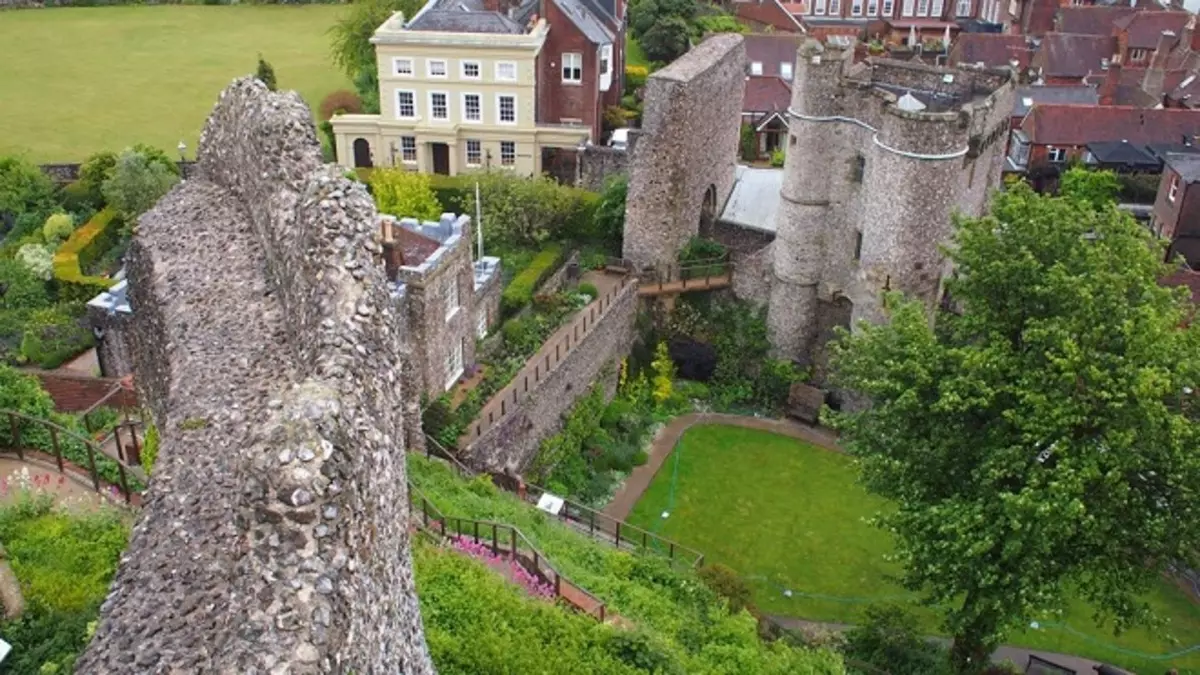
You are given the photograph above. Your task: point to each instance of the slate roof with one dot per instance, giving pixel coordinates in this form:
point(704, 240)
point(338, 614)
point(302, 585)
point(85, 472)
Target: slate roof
point(463, 16)
point(766, 94)
point(1144, 28)
point(1188, 91)
point(991, 49)
point(414, 247)
point(1037, 16)
point(1123, 152)
point(1075, 93)
point(1187, 166)
point(1070, 55)
point(1096, 20)
point(772, 49)
point(604, 10)
point(1061, 124)
point(1161, 150)
point(592, 28)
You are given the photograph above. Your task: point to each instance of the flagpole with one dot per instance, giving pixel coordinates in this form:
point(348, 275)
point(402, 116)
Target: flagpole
point(478, 222)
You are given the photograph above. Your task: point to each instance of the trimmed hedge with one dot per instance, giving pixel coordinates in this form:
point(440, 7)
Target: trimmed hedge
point(84, 246)
point(519, 292)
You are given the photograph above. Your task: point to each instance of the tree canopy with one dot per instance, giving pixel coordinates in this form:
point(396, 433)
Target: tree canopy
point(137, 182)
point(352, 48)
point(1039, 440)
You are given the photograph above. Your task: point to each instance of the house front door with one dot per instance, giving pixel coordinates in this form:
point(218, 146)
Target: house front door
point(441, 158)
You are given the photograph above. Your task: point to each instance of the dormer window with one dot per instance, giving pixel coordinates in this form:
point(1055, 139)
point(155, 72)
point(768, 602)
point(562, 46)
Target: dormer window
point(785, 71)
point(756, 68)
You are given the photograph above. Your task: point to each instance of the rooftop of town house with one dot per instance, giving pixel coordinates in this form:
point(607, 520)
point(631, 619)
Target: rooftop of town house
point(1144, 28)
point(1131, 155)
point(467, 22)
point(463, 16)
point(989, 49)
point(423, 244)
point(1078, 125)
point(1186, 165)
point(116, 299)
point(1127, 89)
point(771, 50)
point(766, 94)
point(1093, 20)
point(1070, 55)
point(1028, 96)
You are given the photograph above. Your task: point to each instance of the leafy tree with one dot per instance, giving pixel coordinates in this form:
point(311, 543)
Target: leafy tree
point(645, 14)
point(352, 48)
point(718, 23)
point(1042, 440)
point(667, 40)
point(340, 102)
point(58, 227)
point(136, 183)
point(520, 211)
point(609, 217)
point(404, 194)
point(38, 259)
point(156, 156)
point(265, 73)
point(23, 188)
point(887, 639)
point(19, 288)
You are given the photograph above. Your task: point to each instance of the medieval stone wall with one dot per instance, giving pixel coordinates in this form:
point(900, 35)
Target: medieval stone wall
point(274, 536)
point(599, 162)
point(691, 121)
point(513, 442)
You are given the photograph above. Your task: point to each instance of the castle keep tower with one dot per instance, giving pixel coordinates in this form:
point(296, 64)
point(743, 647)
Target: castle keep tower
point(880, 155)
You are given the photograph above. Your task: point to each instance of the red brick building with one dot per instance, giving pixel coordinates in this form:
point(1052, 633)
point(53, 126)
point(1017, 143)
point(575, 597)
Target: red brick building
point(1177, 208)
point(1138, 34)
point(994, 50)
point(1052, 135)
point(770, 15)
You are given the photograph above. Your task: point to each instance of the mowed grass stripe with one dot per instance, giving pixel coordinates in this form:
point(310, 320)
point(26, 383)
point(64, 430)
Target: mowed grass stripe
point(80, 80)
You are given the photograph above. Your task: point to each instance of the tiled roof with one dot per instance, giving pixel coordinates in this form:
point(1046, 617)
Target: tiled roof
point(1026, 97)
point(414, 247)
point(459, 21)
point(1128, 87)
point(1070, 55)
point(1144, 28)
point(772, 49)
point(1089, 20)
point(1187, 92)
point(991, 49)
point(765, 94)
point(1038, 16)
point(1063, 124)
point(592, 27)
point(1187, 166)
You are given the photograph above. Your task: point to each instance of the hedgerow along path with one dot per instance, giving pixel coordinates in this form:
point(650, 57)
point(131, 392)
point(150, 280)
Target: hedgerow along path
point(779, 502)
point(80, 80)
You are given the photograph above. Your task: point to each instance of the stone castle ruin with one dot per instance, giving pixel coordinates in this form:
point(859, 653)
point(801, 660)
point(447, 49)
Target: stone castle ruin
point(274, 537)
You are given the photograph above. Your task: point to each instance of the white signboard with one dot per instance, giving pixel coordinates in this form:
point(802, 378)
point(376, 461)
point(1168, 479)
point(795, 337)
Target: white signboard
point(5, 648)
point(550, 503)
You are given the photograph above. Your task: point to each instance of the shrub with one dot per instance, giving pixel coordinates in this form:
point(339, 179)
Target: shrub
point(718, 23)
point(727, 584)
point(57, 228)
point(437, 416)
point(698, 249)
point(609, 216)
point(886, 639)
point(138, 181)
point(342, 101)
point(635, 78)
point(666, 40)
point(86, 244)
point(265, 73)
point(23, 290)
point(778, 157)
point(149, 448)
point(589, 290)
point(522, 212)
point(38, 259)
point(519, 291)
point(404, 194)
point(54, 335)
point(24, 394)
point(748, 143)
point(638, 649)
point(23, 189)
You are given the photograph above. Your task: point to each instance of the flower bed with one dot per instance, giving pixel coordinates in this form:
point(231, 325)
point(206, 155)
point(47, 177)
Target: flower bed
point(511, 569)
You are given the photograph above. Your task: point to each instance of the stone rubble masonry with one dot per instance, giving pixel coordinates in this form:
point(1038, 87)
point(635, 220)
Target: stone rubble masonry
point(900, 206)
point(691, 124)
point(513, 442)
point(598, 163)
point(274, 537)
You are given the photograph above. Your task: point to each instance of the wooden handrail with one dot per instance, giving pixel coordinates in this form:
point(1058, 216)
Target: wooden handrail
point(56, 430)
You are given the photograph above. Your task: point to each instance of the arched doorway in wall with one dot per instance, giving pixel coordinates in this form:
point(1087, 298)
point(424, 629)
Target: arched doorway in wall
point(362, 153)
point(708, 211)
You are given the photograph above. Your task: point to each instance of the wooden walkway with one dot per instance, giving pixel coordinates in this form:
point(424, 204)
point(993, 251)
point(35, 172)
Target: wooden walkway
point(656, 288)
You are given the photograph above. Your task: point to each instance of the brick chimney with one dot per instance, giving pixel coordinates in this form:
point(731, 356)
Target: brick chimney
point(393, 255)
point(1188, 38)
point(1112, 78)
point(1152, 83)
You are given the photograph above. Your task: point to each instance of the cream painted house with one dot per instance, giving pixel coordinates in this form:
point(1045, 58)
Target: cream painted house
point(457, 93)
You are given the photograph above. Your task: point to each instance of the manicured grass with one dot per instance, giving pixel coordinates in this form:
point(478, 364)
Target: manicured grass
point(789, 515)
point(634, 56)
point(80, 80)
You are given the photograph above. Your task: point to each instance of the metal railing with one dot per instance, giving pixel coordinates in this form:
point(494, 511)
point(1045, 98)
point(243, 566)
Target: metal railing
point(508, 540)
point(58, 433)
point(586, 520)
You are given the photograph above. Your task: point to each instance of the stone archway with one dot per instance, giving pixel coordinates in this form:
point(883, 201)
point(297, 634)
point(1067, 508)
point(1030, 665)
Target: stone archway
point(362, 153)
point(708, 211)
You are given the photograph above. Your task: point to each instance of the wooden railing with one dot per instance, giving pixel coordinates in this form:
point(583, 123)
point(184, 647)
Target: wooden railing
point(16, 445)
point(692, 275)
point(586, 520)
point(508, 540)
point(129, 449)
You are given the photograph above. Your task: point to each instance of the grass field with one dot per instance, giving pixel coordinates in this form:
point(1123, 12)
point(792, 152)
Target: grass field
point(634, 56)
point(790, 516)
point(81, 80)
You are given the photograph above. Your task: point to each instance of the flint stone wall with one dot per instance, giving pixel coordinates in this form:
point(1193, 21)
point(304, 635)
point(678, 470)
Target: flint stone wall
point(600, 161)
point(512, 444)
point(274, 538)
point(691, 125)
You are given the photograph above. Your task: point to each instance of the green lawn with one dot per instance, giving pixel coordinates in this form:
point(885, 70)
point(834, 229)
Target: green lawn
point(634, 56)
point(80, 80)
point(790, 516)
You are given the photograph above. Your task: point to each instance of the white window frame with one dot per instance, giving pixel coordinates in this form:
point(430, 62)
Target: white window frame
point(397, 61)
point(404, 150)
point(756, 68)
point(478, 155)
point(432, 114)
point(465, 108)
point(500, 109)
point(922, 9)
point(462, 70)
point(606, 58)
point(502, 64)
point(872, 7)
point(415, 112)
point(889, 8)
point(572, 64)
point(1137, 55)
point(835, 7)
point(453, 303)
point(819, 7)
point(1056, 154)
point(785, 70)
point(514, 154)
point(856, 7)
point(481, 324)
point(1173, 190)
point(907, 8)
point(454, 363)
point(962, 8)
point(937, 8)
point(445, 68)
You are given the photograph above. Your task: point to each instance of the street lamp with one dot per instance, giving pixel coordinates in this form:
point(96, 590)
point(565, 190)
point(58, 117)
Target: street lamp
point(182, 148)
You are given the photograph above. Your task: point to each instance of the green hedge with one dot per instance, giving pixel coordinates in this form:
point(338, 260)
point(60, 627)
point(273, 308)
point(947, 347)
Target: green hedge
point(519, 292)
point(85, 245)
point(54, 335)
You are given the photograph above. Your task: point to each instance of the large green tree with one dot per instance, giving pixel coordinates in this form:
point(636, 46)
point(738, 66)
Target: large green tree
point(352, 48)
point(1040, 440)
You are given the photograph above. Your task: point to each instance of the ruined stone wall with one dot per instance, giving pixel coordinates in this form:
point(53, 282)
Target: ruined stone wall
point(691, 122)
point(598, 163)
point(513, 442)
point(274, 536)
